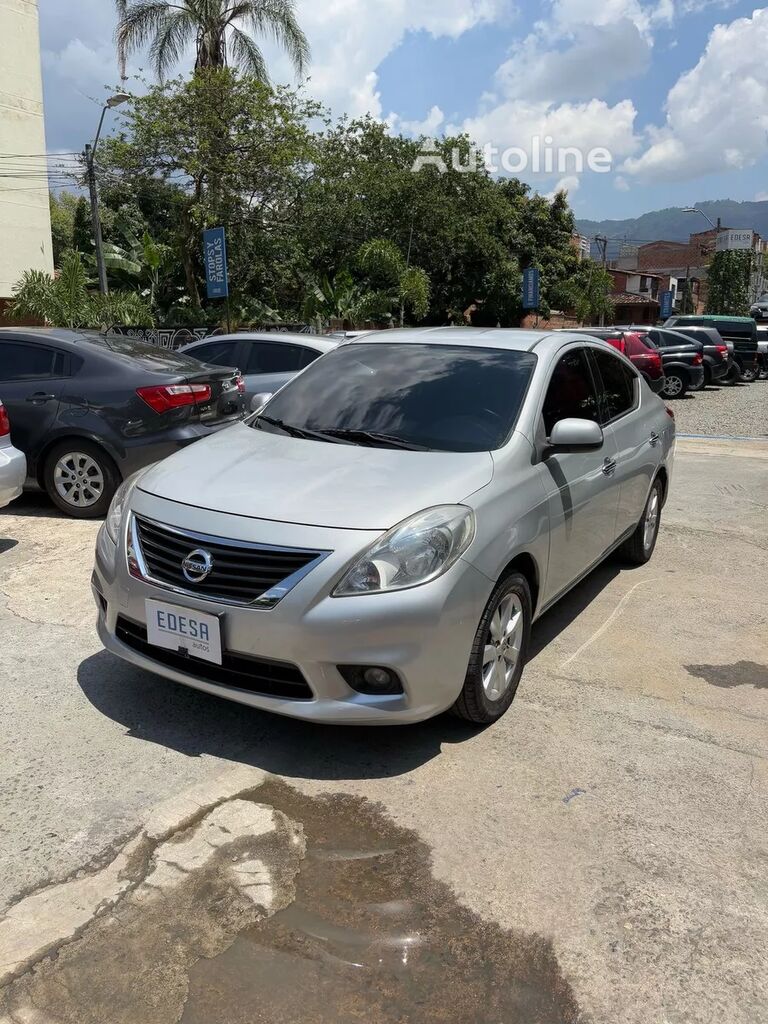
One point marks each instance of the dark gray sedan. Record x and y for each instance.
(88, 409)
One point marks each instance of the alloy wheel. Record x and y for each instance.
(502, 646)
(651, 524)
(79, 479)
(673, 387)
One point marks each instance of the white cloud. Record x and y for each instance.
(716, 113)
(621, 184)
(569, 184)
(761, 197)
(430, 126)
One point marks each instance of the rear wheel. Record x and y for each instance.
(748, 374)
(707, 380)
(676, 385)
(80, 478)
(638, 549)
(498, 654)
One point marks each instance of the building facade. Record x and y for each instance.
(25, 220)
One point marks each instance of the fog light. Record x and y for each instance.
(371, 679)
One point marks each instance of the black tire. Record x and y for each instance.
(747, 376)
(676, 385)
(474, 704)
(706, 381)
(95, 500)
(638, 549)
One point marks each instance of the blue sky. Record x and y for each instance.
(676, 90)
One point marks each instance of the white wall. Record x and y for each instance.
(25, 223)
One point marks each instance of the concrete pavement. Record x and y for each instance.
(616, 814)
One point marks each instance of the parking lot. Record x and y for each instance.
(600, 851)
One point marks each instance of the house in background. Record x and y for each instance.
(25, 220)
(635, 297)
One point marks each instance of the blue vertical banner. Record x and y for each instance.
(215, 259)
(665, 302)
(531, 288)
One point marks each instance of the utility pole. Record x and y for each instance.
(96, 220)
(602, 241)
(89, 156)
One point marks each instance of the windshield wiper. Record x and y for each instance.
(372, 437)
(308, 435)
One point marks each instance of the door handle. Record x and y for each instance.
(39, 397)
(609, 467)
(654, 439)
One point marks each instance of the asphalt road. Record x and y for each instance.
(598, 855)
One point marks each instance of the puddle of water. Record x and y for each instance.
(372, 937)
(742, 673)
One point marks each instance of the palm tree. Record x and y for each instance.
(222, 30)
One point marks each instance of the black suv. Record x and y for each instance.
(741, 330)
(718, 361)
(682, 358)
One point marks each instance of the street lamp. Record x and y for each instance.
(695, 209)
(90, 155)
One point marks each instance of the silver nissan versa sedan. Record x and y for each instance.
(373, 545)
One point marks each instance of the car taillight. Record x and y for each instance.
(5, 423)
(698, 359)
(240, 383)
(670, 412)
(164, 397)
(722, 350)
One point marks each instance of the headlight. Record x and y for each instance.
(417, 551)
(120, 503)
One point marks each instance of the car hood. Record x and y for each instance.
(261, 475)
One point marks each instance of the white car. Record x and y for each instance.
(13, 463)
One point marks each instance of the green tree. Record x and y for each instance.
(730, 275)
(392, 285)
(221, 30)
(218, 149)
(65, 301)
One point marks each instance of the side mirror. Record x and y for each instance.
(259, 401)
(576, 435)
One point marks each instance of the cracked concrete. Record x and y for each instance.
(650, 884)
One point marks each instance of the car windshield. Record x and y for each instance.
(451, 398)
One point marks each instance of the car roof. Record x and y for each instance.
(716, 318)
(514, 338)
(43, 334)
(316, 341)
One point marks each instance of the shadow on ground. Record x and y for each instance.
(159, 711)
(33, 503)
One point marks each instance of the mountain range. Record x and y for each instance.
(674, 225)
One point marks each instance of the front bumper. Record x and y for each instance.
(424, 634)
(13, 472)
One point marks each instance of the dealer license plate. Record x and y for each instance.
(184, 629)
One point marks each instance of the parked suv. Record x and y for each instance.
(646, 358)
(759, 309)
(742, 331)
(717, 355)
(88, 409)
(682, 358)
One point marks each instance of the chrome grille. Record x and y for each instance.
(241, 573)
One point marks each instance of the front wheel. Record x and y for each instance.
(676, 386)
(499, 653)
(638, 549)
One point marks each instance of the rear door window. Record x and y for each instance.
(618, 385)
(571, 392)
(31, 362)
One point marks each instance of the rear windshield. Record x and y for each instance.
(442, 397)
(149, 356)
